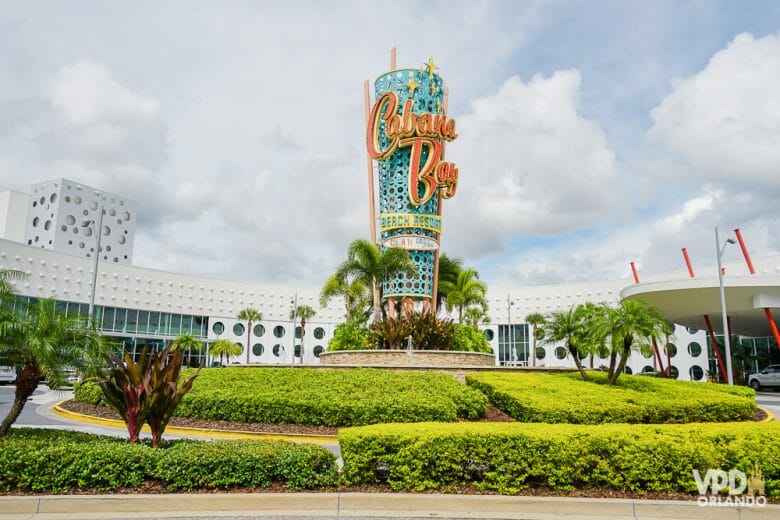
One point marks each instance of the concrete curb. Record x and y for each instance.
(368, 504)
(769, 415)
(184, 430)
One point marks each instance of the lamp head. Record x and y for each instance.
(730, 241)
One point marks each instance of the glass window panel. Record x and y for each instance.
(143, 319)
(186, 324)
(62, 307)
(165, 323)
(132, 321)
(175, 325)
(107, 323)
(120, 320)
(198, 328)
(154, 323)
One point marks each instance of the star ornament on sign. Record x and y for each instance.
(431, 66)
(412, 86)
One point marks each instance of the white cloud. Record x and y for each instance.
(529, 164)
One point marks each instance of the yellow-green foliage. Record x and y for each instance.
(508, 457)
(565, 398)
(329, 397)
(57, 461)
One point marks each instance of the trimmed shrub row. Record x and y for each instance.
(322, 397)
(59, 461)
(508, 457)
(565, 398)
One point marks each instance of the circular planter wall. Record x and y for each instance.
(400, 358)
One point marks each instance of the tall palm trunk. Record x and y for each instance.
(578, 362)
(26, 384)
(378, 310)
(533, 351)
(613, 377)
(248, 339)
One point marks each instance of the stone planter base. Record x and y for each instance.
(401, 358)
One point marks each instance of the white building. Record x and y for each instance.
(145, 307)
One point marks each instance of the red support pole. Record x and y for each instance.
(744, 251)
(716, 348)
(633, 270)
(658, 358)
(773, 325)
(688, 262)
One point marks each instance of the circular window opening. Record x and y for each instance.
(87, 231)
(81, 245)
(318, 350)
(489, 334)
(240, 348)
(43, 200)
(112, 212)
(238, 329)
(278, 350)
(258, 330)
(77, 199)
(53, 198)
(218, 328)
(126, 216)
(647, 369)
(297, 351)
(319, 333)
(106, 231)
(93, 205)
(629, 371)
(67, 198)
(675, 372)
(279, 331)
(540, 353)
(70, 220)
(121, 239)
(691, 330)
(35, 222)
(694, 349)
(696, 373)
(298, 332)
(671, 348)
(560, 352)
(63, 227)
(257, 349)
(85, 212)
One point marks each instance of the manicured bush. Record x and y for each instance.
(88, 392)
(329, 397)
(565, 398)
(59, 461)
(508, 457)
(351, 335)
(470, 339)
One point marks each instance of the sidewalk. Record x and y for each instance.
(391, 505)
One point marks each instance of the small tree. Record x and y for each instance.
(225, 347)
(189, 343)
(627, 324)
(304, 312)
(567, 327)
(249, 315)
(357, 296)
(467, 291)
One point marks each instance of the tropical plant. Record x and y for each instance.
(302, 312)
(352, 335)
(391, 333)
(189, 343)
(467, 291)
(567, 327)
(356, 295)
(470, 339)
(429, 332)
(41, 343)
(476, 316)
(372, 266)
(147, 391)
(449, 268)
(224, 347)
(6, 287)
(535, 320)
(249, 315)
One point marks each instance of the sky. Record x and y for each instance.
(591, 133)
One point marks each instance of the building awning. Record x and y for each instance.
(685, 302)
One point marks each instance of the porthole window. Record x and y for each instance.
(238, 329)
(106, 231)
(258, 330)
(318, 350)
(675, 372)
(629, 371)
(279, 331)
(35, 222)
(540, 353)
(47, 225)
(239, 345)
(671, 348)
(691, 330)
(218, 328)
(298, 332)
(489, 334)
(319, 333)
(647, 369)
(70, 220)
(257, 349)
(696, 373)
(694, 349)
(63, 227)
(112, 212)
(560, 352)
(77, 199)
(87, 231)
(93, 205)
(53, 198)
(121, 239)
(278, 350)
(297, 351)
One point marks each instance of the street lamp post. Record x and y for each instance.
(719, 250)
(295, 311)
(98, 231)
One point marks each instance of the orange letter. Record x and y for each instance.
(388, 101)
(422, 175)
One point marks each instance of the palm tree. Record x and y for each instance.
(467, 291)
(357, 297)
(476, 316)
(449, 268)
(249, 315)
(304, 312)
(43, 343)
(535, 319)
(630, 321)
(189, 343)
(372, 266)
(6, 288)
(567, 327)
(225, 347)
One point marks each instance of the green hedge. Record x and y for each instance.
(88, 392)
(565, 398)
(59, 461)
(326, 397)
(508, 457)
